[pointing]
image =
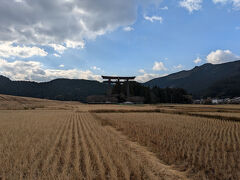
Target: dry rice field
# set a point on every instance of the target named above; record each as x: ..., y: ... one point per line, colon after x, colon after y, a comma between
x: 42, y: 139
x: 203, y: 148
x: 71, y: 145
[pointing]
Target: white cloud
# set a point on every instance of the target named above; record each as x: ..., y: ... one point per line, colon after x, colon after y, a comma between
x: 146, y: 77
x: 59, y: 48
x: 95, y: 68
x: 141, y: 71
x: 35, y: 71
x: 164, y: 8
x: 153, y: 18
x: 180, y: 66
x: 56, y: 55
x: 7, y: 49
x: 221, y: 56
x: 128, y: 28
x: 65, y: 23
x: 61, y: 65
x: 235, y: 3
x: 74, y: 44
x: 191, y: 5
x: 198, y: 60
x: 159, y: 66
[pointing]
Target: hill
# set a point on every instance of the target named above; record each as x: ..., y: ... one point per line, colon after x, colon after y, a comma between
x: 206, y: 80
x: 221, y: 80
x: 228, y: 87
x: 59, y: 89
x: 79, y: 90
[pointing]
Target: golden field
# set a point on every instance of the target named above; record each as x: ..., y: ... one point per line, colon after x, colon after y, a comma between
x: 203, y: 148
x: 43, y: 139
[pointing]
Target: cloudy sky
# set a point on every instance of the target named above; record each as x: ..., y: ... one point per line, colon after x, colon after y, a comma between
x: 42, y: 40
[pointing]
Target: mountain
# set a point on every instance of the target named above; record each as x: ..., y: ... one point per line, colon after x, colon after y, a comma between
x: 79, y: 90
x: 228, y: 87
x: 59, y: 89
x: 208, y: 80
x: 220, y: 80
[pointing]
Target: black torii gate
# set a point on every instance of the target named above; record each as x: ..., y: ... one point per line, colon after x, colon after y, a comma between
x: 117, y: 80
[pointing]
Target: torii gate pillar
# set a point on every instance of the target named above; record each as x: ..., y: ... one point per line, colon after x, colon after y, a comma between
x: 109, y: 91
x: 117, y: 79
x: 128, y: 91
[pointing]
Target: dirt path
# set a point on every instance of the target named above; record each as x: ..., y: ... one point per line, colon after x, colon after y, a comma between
x: 112, y: 156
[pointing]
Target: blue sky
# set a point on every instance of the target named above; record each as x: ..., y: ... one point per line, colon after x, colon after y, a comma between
x: 148, y: 39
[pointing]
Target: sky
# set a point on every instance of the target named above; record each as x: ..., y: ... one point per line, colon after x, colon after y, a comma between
x: 42, y: 40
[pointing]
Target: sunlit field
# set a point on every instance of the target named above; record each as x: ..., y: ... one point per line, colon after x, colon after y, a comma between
x: 41, y: 139
x: 204, y: 148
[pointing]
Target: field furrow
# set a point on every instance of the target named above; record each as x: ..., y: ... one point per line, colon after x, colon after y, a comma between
x: 40, y: 139
x: 38, y: 160
x: 99, y: 165
x: 49, y: 152
x: 104, y: 155
x: 63, y: 156
x: 131, y: 161
x: 81, y: 159
x: 86, y: 166
x: 51, y: 164
x: 72, y: 145
x: 73, y: 160
x: 204, y: 148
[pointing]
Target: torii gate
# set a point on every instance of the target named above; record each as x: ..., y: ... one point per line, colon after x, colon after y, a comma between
x: 117, y: 79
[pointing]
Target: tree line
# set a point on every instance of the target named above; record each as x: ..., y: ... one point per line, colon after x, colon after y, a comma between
x: 152, y: 95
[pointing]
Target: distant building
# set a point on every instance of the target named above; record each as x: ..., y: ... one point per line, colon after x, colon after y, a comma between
x: 217, y: 101
x: 136, y: 99
x: 227, y: 101
x: 197, y: 101
x: 235, y: 100
x: 98, y: 99
x: 214, y: 101
x: 209, y: 100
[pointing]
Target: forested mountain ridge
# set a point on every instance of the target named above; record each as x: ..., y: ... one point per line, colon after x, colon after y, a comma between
x: 208, y: 80
x: 205, y: 80
x: 58, y: 89
x: 79, y: 90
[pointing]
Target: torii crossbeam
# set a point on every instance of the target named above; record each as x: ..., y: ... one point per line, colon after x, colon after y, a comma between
x: 118, y: 79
